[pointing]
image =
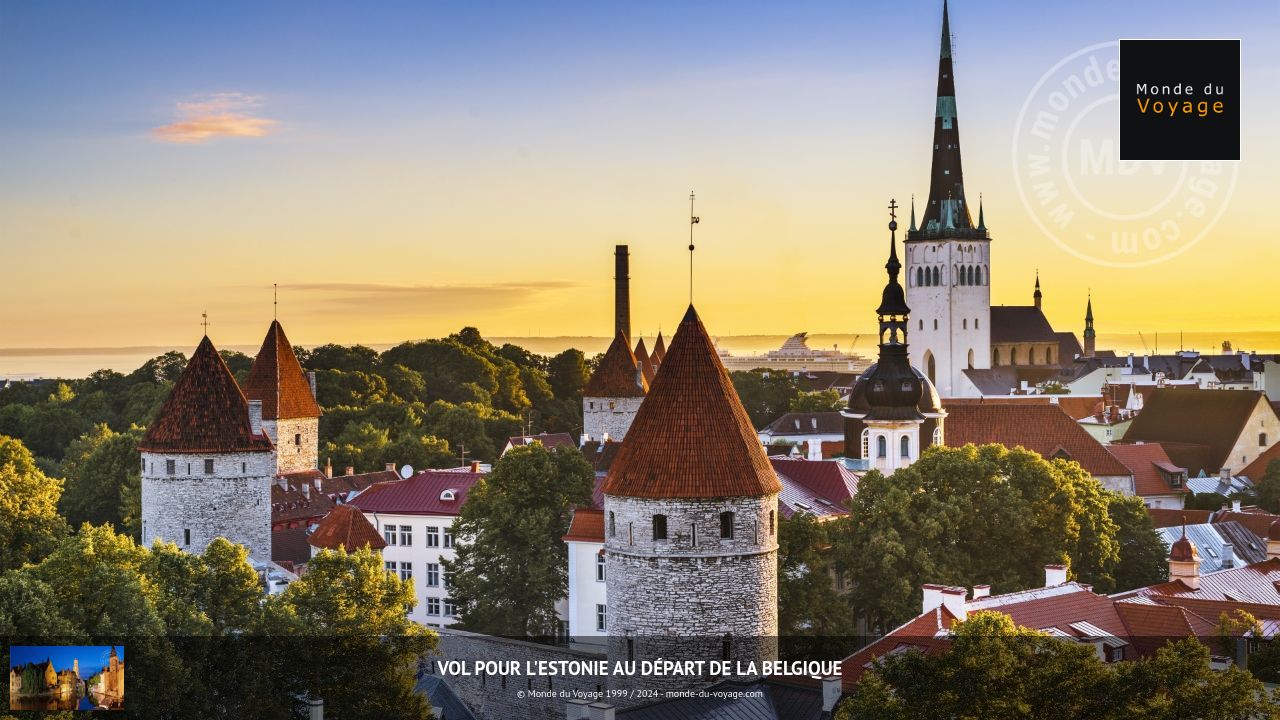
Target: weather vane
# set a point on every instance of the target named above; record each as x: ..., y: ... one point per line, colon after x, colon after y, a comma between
x: 693, y: 220
x: 204, y: 322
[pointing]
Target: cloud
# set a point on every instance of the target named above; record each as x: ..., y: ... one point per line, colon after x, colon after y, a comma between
x: 230, y: 114
x: 362, y: 297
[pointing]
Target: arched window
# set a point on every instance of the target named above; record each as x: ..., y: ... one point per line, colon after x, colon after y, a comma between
x: 1031, y: 356
x: 866, y: 443
x: 937, y: 435
x: 905, y: 450
x: 995, y: 356
x: 957, y: 272
x: 1013, y: 356
x: 919, y: 277
x: 984, y: 277
x: 931, y: 368
x: 659, y: 527
x: 973, y: 275
x: 966, y: 323
x: 921, y: 323
x: 937, y: 276
x: 726, y: 525
x: 882, y: 447
x: 975, y: 323
x: 970, y: 358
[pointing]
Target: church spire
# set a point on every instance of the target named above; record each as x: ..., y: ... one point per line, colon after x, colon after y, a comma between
x: 1090, y: 336
x: 946, y: 208
x: 1037, y: 295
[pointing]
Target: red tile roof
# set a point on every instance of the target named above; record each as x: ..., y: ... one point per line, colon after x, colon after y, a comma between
x: 1146, y: 461
x: 691, y: 438
x: 617, y: 375
x: 659, y: 350
x: 276, y: 379
x: 1151, y: 625
x: 419, y: 495
x: 205, y: 412
x: 346, y: 527
x: 1255, y: 520
x: 829, y: 479
x: 644, y: 361
x: 290, y: 505
x: 924, y: 633
x: 1173, y: 517
x: 1256, y: 469
x: 1046, y: 429
x: 587, y: 526
x: 1077, y: 406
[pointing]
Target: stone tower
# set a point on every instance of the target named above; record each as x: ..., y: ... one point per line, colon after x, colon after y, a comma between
x: 207, y: 463
x: 894, y: 412
x: 948, y: 259
x: 691, y: 518
x: 613, y: 395
x: 290, y: 414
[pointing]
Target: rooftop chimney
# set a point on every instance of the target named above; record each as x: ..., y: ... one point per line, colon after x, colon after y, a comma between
x: 1054, y: 575
x: 311, y: 380
x: 389, y: 467
x: 1235, y: 505
x: 576, y: 709
x: 306, y: 490
x: 621, y: 293
x: 475, y: 466
x: 1228, y: 556
x: 255, y: 417
x: 600, y: 711
x: 349, y: 470
x: 981, y: 591
x: 315, y: 709
x: 952, y: 598
x: 1225, y: 473
x: 328, y: 467
x: 831, y: 690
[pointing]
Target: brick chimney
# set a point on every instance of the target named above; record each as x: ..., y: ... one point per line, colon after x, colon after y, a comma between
x: 306, y: 490
x: 389, y: 467
x: 255, y: 417
x: 328, y: 467
x: 576, y: 709
x: 311, y: 380
x: 952, y: 598
x: 622, y: 292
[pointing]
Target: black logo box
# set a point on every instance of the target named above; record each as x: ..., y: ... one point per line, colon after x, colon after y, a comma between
x: 1187, y: 68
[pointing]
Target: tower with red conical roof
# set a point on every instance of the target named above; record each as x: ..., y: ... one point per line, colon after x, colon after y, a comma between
x: 948, y: 259
x: 613, y: 394
x: 691, y: 507
x: 207, y: 463
x: 290, y: 413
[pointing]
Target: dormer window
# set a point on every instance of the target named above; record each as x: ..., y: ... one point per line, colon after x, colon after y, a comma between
x: 448, y: 496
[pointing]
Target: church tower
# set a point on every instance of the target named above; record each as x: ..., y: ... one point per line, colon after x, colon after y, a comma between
x: 691, y: 523
x: 290, y: 414
x: 1090, y: 337
x: 948, y: 259
x: 894, y: 412
x: 207, y: 463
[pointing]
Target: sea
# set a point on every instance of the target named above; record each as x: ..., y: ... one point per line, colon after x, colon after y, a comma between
x: 78, y: 362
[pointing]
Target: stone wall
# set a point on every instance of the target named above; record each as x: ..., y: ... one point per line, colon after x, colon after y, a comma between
x: 233, y: 502
x: 493, y: 697
x: 297, y: 442
x: 609, y: 415
x: 693, y: 595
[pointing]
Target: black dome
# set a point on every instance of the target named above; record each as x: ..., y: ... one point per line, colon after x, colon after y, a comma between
x: 859, y: 403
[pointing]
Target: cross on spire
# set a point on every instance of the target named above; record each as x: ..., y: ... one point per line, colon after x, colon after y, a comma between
x: 204, y: 322
x: 275, y: 301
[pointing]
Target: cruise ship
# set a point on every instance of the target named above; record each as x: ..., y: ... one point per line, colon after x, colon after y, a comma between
x: 795, y: 355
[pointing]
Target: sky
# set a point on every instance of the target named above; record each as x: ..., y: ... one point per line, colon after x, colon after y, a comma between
x: 404, y: 169
x: 92, y: 657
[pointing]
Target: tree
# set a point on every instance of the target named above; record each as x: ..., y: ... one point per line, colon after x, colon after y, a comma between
x: 1143, y: 556
x: 823, y: 401
x: 30, y: 525
x: 1178, y: 683
x: 420, y: 451
x: 362, y: 650
x: 361, y: 445
x: 103, y: 479
x: 1268, y: 488
x: 511, y: 565
x: 808, y: 603
x: 568, y: 374
x: 992, y: 669
x: 766, y: 394
x: 940, y: 519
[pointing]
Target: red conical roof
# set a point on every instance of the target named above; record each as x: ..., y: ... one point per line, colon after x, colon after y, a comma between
x: 644, y: 361
x: 659, y: 350
x: 276, y: 379
x: 691, y: 438
x: 205, y: 412
x: 616, y: 375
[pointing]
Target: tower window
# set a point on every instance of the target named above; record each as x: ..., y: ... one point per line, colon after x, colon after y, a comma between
x: 975, y: 323
x: 1262, y: 439
x: 144, y: 466
x: 921, y: 323
x: 297, y: 439
x: 882, y: 447
x: 244, y: 468
x: 600, y: 621
x: 631, y: 534
x: 772, y: 513
x: 965, y: 323
x: 906, y: 447
x: 171, y: 467
x: 935, y: 323
x: 937, y: 435
x: 937, y: 276
x: 866, y: 443
x: 659, y: 527
x: 186, y: 536
x: 208, y: 466
x: 919, y: 276
x: 726, y: 525
x: 613, y: 525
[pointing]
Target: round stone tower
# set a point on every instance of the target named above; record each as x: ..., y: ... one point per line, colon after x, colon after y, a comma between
x: 207, y: 463
x: 691, y: 519
x: 613, y: 395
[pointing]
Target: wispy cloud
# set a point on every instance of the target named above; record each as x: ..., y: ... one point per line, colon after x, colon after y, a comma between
x: 361, y: 297
x: 230, y: 114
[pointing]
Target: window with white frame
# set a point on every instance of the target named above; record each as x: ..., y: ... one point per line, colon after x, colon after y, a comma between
x: 447, y: 542
x: 450, y: 607
x: 433, y: 606
x: 389, y: 534
x: 599, y: 567
x: 600, y: 617
x: 390, y: 565
x: 433, y: 575
x: 433, y: 537
x: 406, y: 571
x: 406, y: 535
